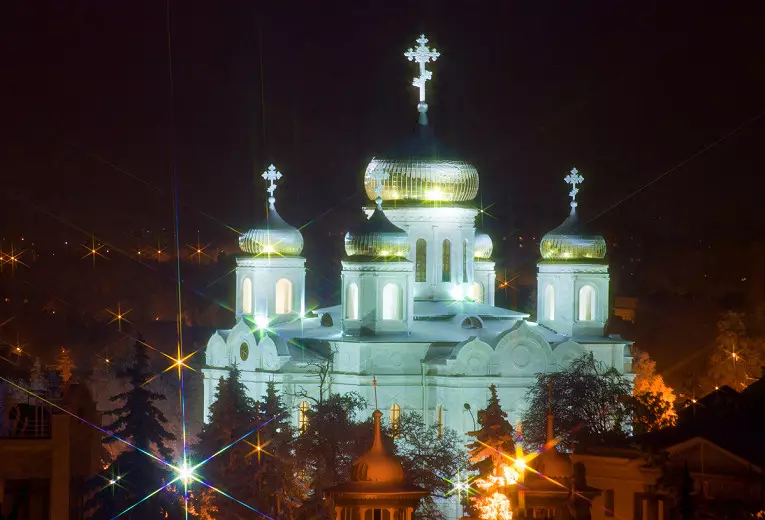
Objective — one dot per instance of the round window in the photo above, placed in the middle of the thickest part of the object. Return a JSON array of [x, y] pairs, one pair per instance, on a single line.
[[244, 351]]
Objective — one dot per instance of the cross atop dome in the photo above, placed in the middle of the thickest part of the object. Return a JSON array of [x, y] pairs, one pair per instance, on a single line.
[[271, 175], [378, 175], [422, 55], [573, 179]]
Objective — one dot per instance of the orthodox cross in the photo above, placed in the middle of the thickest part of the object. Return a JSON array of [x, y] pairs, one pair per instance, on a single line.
[[573, 179], [378, 175], [422, 55], [271, 175], [374, 385]]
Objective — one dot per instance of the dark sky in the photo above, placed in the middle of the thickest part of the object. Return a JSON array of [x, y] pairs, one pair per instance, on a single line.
[[524, 90]]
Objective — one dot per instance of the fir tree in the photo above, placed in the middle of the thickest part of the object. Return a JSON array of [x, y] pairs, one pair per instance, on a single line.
[[232, 415], [495, 438], [278, 491], [134, 475], [493, 442], [64, 365]]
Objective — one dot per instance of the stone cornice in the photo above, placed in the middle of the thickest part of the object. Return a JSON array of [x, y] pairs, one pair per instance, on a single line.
[[273, 261], [572, 268]]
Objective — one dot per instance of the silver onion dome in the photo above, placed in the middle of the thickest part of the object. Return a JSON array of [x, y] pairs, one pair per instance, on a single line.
[[571, 241], [377, 238], [482, 246], [274, 236]]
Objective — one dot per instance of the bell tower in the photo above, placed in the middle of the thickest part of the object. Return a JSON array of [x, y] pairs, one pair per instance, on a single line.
[[573, 280]]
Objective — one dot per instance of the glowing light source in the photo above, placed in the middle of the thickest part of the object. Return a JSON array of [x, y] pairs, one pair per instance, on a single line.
[[185, 473], [261, 322], [435, 194], [457, 293]]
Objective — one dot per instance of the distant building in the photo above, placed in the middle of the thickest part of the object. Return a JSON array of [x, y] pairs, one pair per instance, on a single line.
[[46, 456], [626, 308]]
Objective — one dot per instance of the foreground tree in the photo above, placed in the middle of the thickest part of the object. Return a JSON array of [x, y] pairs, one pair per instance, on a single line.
[[654, 406], [135, 473], [327, 446], [279, 492], [590, 402], [737, 358], [233, 415], [493, 442], [432, 456], [64, 365]]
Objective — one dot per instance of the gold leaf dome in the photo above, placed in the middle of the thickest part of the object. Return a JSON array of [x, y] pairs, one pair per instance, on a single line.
[[378, 238], [422, 170], [274, 236], [482, 246], [571, 241]]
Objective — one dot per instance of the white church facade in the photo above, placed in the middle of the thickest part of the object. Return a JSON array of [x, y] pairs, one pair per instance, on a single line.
[[417, 298]]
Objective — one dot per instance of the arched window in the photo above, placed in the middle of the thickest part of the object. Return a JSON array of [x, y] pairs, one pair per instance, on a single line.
[[247, 296], [352, 302], [550, 303], [421, 260], [395, 419], [440, 422], [587, 301], [391, 307], [464, 261], [303, 416], [476, 292], [446, 261], [283, 296]]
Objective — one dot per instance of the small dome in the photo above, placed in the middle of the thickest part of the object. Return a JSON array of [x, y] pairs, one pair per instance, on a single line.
[[274, 236], [377, 238], [553, 464], [377, 465], [571, 241], [482, 246], [423, 170]]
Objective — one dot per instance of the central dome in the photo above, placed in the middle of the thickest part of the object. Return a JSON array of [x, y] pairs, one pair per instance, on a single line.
[[423, 170]]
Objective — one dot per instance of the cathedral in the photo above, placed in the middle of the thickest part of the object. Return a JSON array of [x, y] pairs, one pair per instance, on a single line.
[[417, 298]]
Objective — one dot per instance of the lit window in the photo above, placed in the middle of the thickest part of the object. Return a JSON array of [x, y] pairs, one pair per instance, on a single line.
[[391, 308], [587, 302], [420, 259], [446, 261], [303, 416], [440, 422], [464, 261], [283, 296], [247, 296], [550, 303], [395, 419], [352, 302]]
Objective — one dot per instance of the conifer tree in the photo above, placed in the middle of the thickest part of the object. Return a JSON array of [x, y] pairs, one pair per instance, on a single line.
[[232, 415], [496, 437], [493, 442], [134, 475], [278, 491], [64, 365]]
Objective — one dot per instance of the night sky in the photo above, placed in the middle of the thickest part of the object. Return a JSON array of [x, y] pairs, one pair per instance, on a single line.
[[523, 90]]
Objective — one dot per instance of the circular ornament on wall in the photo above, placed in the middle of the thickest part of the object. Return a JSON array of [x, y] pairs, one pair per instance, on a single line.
[[244, 351], [396, 360], [521, 356]]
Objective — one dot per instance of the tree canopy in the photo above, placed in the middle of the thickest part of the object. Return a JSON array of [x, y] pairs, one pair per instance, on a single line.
[[590, 402]]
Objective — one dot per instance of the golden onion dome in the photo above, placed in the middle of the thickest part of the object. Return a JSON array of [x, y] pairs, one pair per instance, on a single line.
[[376, 465], [274, 236], [423, 170], [378, 238], [482, 246], [571, 241]]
